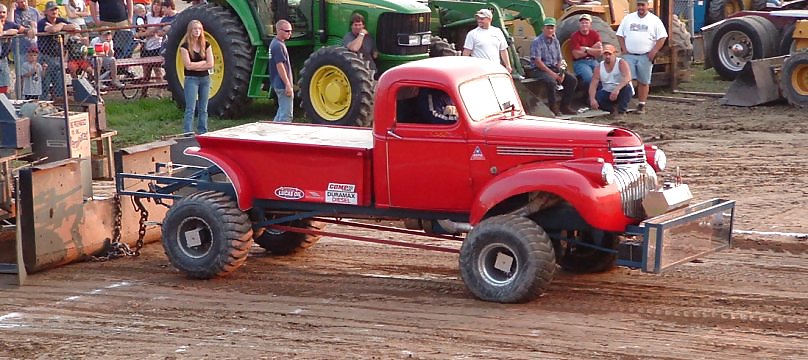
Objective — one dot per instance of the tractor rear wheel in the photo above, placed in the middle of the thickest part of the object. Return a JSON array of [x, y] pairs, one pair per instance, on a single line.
[[569, 25], [232, 53], [507, 259], [794, 80], [441, 47], [287, 242], [336, 88], [205, 235]]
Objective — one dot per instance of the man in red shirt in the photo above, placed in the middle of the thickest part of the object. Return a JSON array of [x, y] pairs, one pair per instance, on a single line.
[[586, 49]]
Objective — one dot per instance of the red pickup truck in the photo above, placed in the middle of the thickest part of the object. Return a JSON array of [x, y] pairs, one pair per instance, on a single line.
[[530, 193]]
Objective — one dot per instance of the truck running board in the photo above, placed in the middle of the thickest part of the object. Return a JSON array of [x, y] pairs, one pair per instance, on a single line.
[[679, 236]]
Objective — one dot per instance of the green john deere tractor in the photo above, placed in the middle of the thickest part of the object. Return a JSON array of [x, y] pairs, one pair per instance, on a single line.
[[335, 84]]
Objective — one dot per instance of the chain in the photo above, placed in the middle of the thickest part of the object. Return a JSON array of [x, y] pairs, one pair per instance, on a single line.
[[116, 248], [144, 217]]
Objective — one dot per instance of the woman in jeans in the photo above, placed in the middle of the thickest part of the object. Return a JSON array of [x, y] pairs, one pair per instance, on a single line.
[[197, 56]]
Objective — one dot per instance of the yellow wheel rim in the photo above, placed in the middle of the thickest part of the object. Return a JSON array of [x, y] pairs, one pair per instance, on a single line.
[[799, 79], [218, 66], [330, 93]]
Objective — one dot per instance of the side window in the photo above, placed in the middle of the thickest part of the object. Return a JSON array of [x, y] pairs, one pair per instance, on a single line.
[[423, 105]]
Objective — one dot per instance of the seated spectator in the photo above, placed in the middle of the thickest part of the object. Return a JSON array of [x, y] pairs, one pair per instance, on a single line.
[[108, 62], [77, 61], [436, 107]]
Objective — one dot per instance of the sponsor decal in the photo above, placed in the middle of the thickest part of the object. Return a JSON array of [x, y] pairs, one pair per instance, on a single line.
[[341, 197], [477, 154], [342, 187], [314, 194], [289, 193]]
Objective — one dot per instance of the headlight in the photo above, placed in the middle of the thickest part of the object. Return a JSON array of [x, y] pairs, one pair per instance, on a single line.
[[660, 159], [607, 173], [426, 39]]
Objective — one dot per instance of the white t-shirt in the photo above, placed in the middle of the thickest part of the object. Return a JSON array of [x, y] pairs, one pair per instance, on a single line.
[[486, 43], [80, 6], [153, 42], [641, 33]]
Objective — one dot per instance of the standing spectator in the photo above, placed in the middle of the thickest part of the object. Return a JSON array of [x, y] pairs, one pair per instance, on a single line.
[[76, 12], [115, 13], [169, 13], [611, 83], [49, 49], [152, 44], [32, 75], [197, 56], [641, 35], [280, 71], [9, 29], [486, 41], [108, 62], [28, 17], [546, 67], [586, 47], [360, 41]]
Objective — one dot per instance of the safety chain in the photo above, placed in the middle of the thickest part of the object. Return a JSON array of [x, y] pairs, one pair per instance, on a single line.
[[141, 231], [117, 248]]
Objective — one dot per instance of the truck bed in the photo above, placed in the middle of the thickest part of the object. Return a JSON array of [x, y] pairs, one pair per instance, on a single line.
[[299, 134]]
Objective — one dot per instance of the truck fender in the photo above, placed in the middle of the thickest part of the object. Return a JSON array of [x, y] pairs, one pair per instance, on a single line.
[[598, 204], [235, 175]]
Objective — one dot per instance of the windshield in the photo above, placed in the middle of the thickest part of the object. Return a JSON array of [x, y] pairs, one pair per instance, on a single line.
[[489, 95]]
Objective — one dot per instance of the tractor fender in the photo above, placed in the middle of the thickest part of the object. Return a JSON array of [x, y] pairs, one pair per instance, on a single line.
[[577, 183], [236, 176]]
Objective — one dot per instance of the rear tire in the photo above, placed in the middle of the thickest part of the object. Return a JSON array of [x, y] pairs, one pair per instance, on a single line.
[[748, 35], [336, 88], [205, 235], [507, 259], [287, 242], [794, 79]]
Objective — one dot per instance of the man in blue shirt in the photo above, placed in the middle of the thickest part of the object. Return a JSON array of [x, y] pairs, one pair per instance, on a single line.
[[49, 49], [546, 61], [280, 71]]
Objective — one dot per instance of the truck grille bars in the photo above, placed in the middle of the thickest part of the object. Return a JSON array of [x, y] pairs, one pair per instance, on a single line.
[[628, 156], [634, 183]]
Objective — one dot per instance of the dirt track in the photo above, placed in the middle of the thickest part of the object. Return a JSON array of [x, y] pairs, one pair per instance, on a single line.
[[345, 299]]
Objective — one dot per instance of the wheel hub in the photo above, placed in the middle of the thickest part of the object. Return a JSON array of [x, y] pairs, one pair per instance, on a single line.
[[734, 50], [498, 264], [330, 92], [738, 49], [194, 237]]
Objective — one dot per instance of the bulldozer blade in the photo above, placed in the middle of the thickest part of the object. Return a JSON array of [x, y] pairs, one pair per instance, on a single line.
[[758, 83], [530, 100]]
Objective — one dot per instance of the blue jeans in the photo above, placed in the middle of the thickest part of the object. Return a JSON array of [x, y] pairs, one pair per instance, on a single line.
[[54, 75], [606, 104], [584, 69], [285, 104], [196, 87]]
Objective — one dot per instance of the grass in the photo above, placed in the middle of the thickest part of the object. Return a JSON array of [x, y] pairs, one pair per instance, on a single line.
[[146, 120], [704, 81]]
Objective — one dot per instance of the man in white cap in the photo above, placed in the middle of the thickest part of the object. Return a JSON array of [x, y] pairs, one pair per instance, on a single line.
[[486, 41], [641, 35], [586, 47]]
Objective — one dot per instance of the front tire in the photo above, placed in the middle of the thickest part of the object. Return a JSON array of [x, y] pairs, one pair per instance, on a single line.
[[507, 259], [232, 53], [336, 88], [205, 235], [794, 80]]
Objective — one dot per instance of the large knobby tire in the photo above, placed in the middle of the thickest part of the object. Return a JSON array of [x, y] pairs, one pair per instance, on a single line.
[[569, 25], [232, 53], [336, 88], [787, 44], [205, 235], [720, 9], [583, 259], [441, 47], [507, 259], [288, 243], [736, 42], [794, 79]]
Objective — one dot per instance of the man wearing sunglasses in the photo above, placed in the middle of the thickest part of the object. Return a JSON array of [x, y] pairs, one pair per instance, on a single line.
[[280, 71]]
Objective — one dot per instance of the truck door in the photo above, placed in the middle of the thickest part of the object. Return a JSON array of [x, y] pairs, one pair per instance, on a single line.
[[427, 153]]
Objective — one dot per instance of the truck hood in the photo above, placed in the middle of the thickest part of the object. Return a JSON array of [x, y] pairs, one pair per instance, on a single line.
[[546, 131]]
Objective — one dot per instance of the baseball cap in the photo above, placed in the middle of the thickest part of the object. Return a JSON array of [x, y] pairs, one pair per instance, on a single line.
[[484, 13], [549, 21], [642, 1], [51, 5], [33, 49], [585, 17], [106, 32]]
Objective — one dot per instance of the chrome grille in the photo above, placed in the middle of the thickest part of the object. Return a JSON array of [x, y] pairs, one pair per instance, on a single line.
[[634, 183], [628, 156], [530, 151]]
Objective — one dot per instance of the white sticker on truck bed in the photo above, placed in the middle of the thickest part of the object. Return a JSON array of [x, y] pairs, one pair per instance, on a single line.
[[289, 193], [342, 187], [340, 197]]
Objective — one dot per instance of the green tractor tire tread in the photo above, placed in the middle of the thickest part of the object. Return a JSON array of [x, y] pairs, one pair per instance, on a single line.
[[797, 96], [360, 111], [224, 26], [290, 243], [231, 234], [441, 47]]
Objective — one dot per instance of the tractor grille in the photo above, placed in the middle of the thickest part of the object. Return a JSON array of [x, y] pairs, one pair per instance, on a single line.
[[628, 156], [634, 183], [391, 25]]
